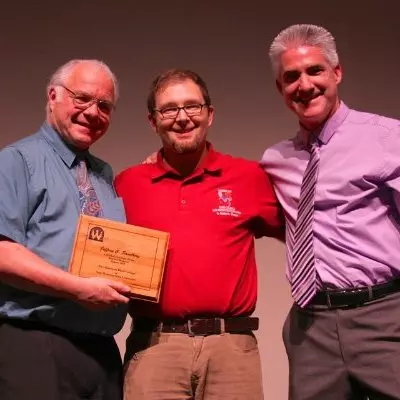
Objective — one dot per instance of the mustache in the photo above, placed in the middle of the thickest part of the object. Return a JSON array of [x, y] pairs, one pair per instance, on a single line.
[[184, 129], [306, 98]]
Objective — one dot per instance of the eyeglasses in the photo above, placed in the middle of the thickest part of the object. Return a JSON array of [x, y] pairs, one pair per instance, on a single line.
[[172, 112], [83, 100]]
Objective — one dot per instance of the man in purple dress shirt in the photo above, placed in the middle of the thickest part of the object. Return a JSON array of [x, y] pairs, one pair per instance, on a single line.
[[342, 339]]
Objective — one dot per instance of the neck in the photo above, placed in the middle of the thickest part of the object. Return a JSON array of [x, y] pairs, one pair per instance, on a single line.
[[184, 163]]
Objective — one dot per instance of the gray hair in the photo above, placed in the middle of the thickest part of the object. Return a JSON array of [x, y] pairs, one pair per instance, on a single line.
[[303, 35], [64, 71]]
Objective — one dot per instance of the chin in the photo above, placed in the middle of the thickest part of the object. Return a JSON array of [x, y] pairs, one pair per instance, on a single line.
[[312, 122], [82, 141], [183, 148], [82, 145], [315, 115]]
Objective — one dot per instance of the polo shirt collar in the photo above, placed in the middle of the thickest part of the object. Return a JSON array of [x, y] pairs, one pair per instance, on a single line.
[[211, 164], [67, 152], [325, 132]]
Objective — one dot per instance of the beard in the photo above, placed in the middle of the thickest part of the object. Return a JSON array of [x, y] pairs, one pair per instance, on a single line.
[[185, 146]]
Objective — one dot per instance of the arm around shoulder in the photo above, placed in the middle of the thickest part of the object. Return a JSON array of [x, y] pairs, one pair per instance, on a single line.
[[269, 212]]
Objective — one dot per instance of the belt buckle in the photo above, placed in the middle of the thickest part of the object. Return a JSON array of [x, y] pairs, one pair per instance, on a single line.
[[213, 326], [328, 299], [356, 291], [332, 293], [365, 293], [370, 294], [189, 326], [215, 329]]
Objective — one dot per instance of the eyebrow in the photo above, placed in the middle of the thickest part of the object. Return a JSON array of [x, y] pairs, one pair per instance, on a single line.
[[185, 103], [83, 93], [294, 72]]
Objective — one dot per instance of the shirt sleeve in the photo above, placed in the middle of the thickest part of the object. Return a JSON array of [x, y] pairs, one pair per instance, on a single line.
[[269, 220], [14, 198], [391, 171]]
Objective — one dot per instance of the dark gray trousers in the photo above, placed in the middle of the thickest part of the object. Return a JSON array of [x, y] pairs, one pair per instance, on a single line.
[[343, 354], [38, 364]]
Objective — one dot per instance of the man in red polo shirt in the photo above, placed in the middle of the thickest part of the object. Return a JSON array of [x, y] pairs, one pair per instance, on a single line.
[[198, 341]]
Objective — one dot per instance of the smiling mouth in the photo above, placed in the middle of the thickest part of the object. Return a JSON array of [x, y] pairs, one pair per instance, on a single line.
[[184, 132], [308, 100], [83, 125]]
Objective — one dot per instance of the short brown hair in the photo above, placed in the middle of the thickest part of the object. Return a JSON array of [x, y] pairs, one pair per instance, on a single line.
[[175, 75]]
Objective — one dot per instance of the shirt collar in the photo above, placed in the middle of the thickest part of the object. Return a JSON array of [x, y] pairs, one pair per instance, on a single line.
[[325, 132], [67, 152], [211, 164]]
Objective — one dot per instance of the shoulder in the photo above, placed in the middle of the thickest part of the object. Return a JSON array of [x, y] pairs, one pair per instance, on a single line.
[[278, 151], [373, 132], [134, 172], [250, 172], [18, 166], [374, 122], [25, 145], [23, 151], [228, 161]]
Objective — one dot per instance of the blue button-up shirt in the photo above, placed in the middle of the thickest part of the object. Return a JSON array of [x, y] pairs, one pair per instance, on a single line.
[[39, 208]]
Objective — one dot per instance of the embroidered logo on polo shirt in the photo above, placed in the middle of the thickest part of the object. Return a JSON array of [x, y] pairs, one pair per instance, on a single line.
[[225, 203]]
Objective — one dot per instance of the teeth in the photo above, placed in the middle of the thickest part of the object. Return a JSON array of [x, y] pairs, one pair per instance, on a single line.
[[306, 101]]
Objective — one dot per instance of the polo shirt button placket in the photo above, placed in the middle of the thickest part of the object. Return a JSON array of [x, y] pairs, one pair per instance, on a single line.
[[182, 196]]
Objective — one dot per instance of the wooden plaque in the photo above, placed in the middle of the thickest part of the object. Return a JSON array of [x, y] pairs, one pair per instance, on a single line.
[[122, 252]]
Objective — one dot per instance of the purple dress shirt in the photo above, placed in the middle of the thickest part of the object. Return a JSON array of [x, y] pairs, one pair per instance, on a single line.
[[357, 199]]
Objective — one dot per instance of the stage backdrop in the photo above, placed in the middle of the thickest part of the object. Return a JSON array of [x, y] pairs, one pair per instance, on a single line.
[[227, 43]]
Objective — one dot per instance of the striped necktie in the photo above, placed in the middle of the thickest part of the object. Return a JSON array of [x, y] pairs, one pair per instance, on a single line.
[[304, 276], [89, 202]]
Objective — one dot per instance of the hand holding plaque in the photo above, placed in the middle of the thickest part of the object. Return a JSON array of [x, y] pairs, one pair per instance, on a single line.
[[122, 252]]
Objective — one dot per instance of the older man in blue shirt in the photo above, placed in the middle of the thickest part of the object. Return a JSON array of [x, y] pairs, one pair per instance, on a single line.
[[56, 329]]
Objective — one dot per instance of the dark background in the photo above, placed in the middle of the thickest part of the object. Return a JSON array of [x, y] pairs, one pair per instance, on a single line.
[[227, 44]]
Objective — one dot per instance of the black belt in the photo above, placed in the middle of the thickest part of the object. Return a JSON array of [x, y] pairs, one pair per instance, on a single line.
[[197, 326], [356, 296]]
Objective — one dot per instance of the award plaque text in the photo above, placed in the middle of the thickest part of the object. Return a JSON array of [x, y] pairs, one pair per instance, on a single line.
[[122, 252]]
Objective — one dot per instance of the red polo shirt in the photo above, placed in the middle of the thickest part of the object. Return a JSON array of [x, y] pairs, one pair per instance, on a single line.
[[213, 216]]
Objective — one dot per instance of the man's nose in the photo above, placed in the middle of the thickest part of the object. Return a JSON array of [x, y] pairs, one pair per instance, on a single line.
[[92, 111], [306, 83], [182, 115]]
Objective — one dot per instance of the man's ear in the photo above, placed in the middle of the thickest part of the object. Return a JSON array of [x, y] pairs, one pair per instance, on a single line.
[[51, 97], [152, 121], [211, 111], [338, 73], [278, 86]]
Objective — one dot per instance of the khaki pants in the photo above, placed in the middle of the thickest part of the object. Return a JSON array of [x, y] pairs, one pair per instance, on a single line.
[[173, 366]]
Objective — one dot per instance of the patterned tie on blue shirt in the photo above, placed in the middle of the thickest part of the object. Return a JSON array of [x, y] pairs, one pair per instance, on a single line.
[[90, 204]]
